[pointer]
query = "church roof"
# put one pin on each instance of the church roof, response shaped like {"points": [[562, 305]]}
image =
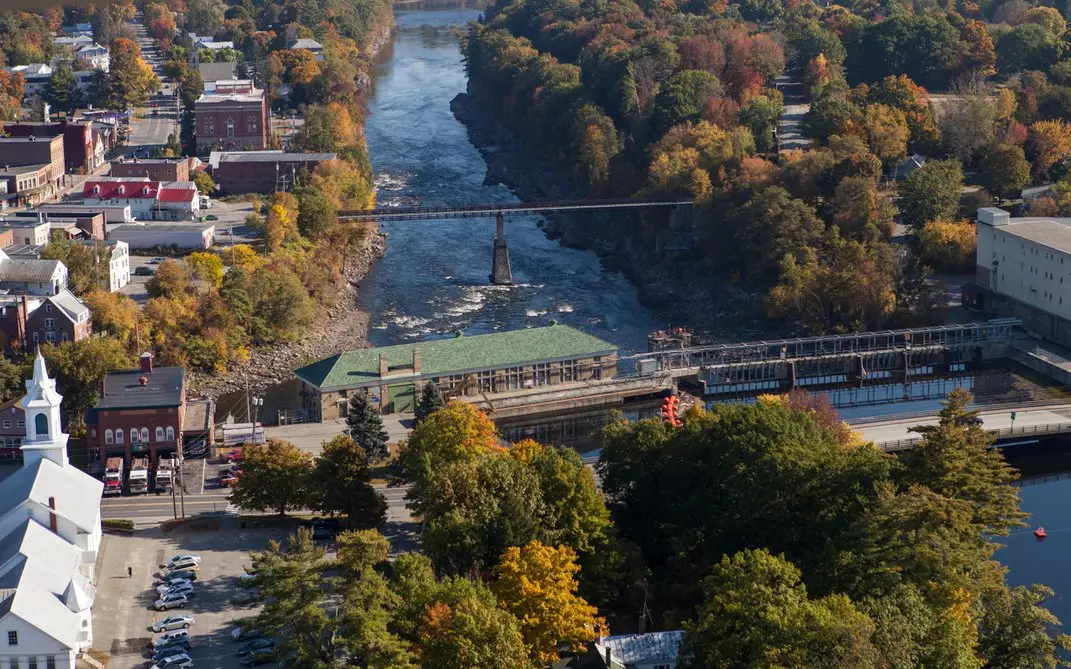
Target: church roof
{"points": [[77, 494], [23, 593], [36, 542]]}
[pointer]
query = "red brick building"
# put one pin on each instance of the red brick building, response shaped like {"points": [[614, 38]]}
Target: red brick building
{"points": [[232, 116], [263, 171], [79, 154], [157, 169], [31, 320], [12, 428], [140, 411]]}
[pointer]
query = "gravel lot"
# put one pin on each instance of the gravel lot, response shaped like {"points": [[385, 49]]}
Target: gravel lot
{"points": [[122, 611]]}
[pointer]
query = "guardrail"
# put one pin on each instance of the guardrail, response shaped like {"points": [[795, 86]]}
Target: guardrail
{"points": [[495, 208], [1002, 433], [983, 409], [1043, 478]]}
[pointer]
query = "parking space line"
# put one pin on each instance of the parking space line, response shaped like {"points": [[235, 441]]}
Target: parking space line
{"points": [[204, 466]]}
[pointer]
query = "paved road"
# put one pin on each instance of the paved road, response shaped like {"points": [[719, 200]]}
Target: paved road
{"points": [[992, 420], [796, 107]]}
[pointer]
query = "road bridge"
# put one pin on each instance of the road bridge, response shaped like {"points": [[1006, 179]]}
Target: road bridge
{"points": [[1031, 422], [501, 274]]}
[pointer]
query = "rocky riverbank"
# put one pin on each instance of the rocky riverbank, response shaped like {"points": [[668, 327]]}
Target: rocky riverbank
{"points": [[680, 290], [337, 329]]}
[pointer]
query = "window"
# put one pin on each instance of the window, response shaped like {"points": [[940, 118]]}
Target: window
{"points": [[596, 367], [7, 423], [119, 436], [50, 336], [14, 663], [486, 381], [570, 371], [159, 434], [20, 423], [133, 435], [48, 307], [230, 127], [33, 662], [40, 423], [170, 433], [514, 378], [145, 435], [251, 124], [50, 662], [12, 638], [36, 337], [210, 127], [542, 373]]}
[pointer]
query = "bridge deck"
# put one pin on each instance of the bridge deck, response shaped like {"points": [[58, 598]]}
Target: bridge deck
{"points": [[492, 209], [895, 434]]}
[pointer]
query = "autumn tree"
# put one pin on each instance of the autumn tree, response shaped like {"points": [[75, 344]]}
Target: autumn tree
{"points": [[204, 17], [129, 79], [684, 97], [537, 584], [206, 266], [83, 263], [887, 130], [1014, 628], [327, 128], [274, 476], [280, 225], [1005, 171], [172, 279], [340, 484], [930, 192], [860, 212], [206, 185], [1049, 142], [969, 126], [948, 245], [770, 226], [79, 367], [116, 315]]}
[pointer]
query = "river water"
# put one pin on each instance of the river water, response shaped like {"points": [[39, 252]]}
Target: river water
{"points": [[433, 282]]}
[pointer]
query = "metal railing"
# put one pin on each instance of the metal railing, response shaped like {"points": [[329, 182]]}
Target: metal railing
{"points": [[492, 209], [1001, 433], [1042, 478]]}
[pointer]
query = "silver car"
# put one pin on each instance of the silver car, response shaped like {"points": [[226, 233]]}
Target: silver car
{"points": [[175, 601], [181, 589], [172, 623], [174, 662], [176, 638]]}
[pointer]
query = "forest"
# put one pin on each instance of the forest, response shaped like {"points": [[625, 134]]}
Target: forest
{"points": [[681, 98]]}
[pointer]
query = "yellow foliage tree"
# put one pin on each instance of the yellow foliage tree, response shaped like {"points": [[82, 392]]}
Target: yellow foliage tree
{"points": [[118, 315], [537, 584], [886, 128], [948, 245], [1050, 142], [526, 449], [456, 433], [206, 266], [280, 227]]}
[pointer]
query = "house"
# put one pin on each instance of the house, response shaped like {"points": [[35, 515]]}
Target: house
{"points": [[263, 171], [117, 255], [157, 169], [146, 236], [95, 55], [27, 230], [309, 45], [49, 537], [231, 115], [653, 650], [27, 185], [35, 77], [148, 200], [497, 363], [76, 41], [224, 71], [905, 167], [79, 30], [12, 429], [32, 277], [140, 411], [58, 318]]}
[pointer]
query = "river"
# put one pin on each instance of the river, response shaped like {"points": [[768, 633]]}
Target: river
{"points": [[432, 281]]}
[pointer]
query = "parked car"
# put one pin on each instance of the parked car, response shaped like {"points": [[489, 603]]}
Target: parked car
{"points": [[182, 661], [176, 638], [144, 270], [188, 574], [259, 657], [233, 457], [172, 601], [240, 633], [156, 261], [168, 651], [180, 589], [227, 478], [168, 582], [254, 646], [172, 623], [182, 557]]}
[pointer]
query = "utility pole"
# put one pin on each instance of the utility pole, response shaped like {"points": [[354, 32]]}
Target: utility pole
{"points": [[257, 403]]}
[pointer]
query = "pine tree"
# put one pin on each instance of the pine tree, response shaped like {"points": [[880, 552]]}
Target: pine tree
{"points": [[431, 400], [61, 91], [366, 426]]}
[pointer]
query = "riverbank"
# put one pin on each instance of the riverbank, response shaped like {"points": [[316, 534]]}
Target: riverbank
{"points": [[679, 290]]}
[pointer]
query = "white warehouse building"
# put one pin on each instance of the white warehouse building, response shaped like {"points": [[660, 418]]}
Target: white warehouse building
{"points": [[1023, 270]]}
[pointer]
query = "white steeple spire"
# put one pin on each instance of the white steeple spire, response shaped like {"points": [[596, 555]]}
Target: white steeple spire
{"points": [[44, 438]]}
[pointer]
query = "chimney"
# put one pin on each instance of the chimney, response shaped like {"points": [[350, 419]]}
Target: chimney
{"points": [[418, 357], [146, 362], [51, 516], [383, 367], [143, 381]]}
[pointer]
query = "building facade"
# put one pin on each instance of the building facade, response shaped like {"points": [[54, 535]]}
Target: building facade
{"points": [[140, 412], [32, 320], [156, 169], [491, 364], [182, 236], [263, 171], [33, 150], [116, 254], [148, 200], [12, 429], [27, 185], [1023, 270], [79, 154], [19, 276], [233, 116]]}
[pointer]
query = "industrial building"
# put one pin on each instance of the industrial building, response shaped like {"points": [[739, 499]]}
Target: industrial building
{"points": [[181, 236], [482, 365], [263, 171]]}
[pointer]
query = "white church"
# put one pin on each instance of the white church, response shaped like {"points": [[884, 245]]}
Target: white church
{"points": [[49, 537]]}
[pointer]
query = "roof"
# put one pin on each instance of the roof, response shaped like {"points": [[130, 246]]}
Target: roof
{"points": [[305, 43], [131, 188], [215, 46], [36, 542], [25, 596], [177, 192], [21, 269], [31, 251], [215, 157], [1054, 233], [19, 170], [77, 493], [273, 157], [123, 389], [70, 305], [216, 71], [160, 227], [647, 648], [198, 416], [457, 355], [256, 95]]}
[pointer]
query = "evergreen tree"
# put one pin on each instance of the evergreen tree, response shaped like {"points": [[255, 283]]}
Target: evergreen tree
{"points": [[431, 400], [61, 91], [366, 426]]}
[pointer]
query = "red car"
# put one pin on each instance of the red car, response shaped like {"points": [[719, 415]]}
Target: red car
{"points": [[227, 478], [233, 457]]}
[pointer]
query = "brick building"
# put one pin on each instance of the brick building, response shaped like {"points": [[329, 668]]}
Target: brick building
{"points": [[12, 428], [31, 320], [79, 154], [157, 169], [233, 115], [27, 185], [140, 412], [263, 171]]}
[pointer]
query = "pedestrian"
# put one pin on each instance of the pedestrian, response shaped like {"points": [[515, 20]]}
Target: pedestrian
{"points": [[129, 571]]}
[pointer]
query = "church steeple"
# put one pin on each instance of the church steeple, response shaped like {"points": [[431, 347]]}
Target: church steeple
{"points": [[44, 437]]}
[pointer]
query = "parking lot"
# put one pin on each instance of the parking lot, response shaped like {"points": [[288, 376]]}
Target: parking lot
{"points": [[123, 611]]}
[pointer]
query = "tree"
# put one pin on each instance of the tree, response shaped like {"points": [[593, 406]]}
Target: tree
{"points": [[888, 132], [204, 17], [860, 212], [62, 89], [327, 128], [340, 484], [82, 261], [172, 279], [1049, 142], [969, 126], [536, 584], [1014, 630], [1005, 171], [365, 426], [931, 191], [79, 367], [12, 379], [458, 432], [116, 315], [948, 245], [760, 115], [471, 633], [274, 476], [129, 79], [206, 185], [206, 266], [684, 97], [316, 213], [756, 613], [770, 226], [1026, 47], [431, 400]]}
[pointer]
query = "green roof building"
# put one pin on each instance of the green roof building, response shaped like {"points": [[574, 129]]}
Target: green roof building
{"points": [[490, 364]]}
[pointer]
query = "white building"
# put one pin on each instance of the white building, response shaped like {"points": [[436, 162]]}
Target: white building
{"points": [[1023, 270], [25, 276], [653, 650], [118, 255], [148, 200], [49, 537]]}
